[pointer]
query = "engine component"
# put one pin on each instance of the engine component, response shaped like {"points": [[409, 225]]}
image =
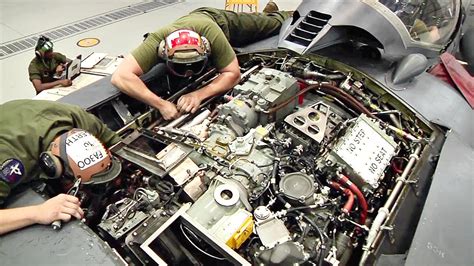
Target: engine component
{"points": [[239, 115], [221, 211], [310, 122], [184, 171], [299, 188], [289, 253], [272, 232], [124, 215], [263, 90], [253, 179], [178, 240], [261, 213], [170, 156], [365, 150], [219, 139]]}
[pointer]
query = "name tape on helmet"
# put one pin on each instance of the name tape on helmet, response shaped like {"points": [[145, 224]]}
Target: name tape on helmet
{"points": [[85, 149]]}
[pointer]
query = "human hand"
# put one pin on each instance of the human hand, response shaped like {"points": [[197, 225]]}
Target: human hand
{"points": [[65, 82], [189, 103], [59, 69], [62, 207], [168, 110]]}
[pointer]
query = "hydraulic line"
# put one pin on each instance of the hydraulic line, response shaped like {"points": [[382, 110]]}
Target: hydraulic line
{"points": [[360, 197], [329, 89], [339, 93], [350, 196], [385, 211]]}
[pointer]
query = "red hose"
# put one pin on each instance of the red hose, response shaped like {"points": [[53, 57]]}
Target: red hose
{"points": [[350, 196], [360, 197]]}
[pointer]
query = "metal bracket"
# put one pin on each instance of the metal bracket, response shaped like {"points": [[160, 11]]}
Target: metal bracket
{"points": [[413, 184], [122, 111], [364, 227], [390, 232]]}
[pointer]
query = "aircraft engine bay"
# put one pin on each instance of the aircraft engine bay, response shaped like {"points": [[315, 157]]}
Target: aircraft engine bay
{"points": [[304, 161]]}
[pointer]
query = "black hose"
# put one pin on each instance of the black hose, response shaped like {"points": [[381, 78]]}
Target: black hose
{"points": [[276, 164], [321, 236]]}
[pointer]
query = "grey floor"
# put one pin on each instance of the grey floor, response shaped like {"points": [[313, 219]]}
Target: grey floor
{"points": [[27, 18]]}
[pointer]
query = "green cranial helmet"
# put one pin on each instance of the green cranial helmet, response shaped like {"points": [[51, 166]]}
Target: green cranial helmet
{"points": [[43, 45]]}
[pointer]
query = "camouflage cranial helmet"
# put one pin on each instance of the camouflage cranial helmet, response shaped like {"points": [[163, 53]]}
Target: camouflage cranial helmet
{"points": [[185, 52], [77, 153]]}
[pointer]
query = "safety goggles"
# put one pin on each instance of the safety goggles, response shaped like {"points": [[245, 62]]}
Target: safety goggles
{"points": [[187, 69]]}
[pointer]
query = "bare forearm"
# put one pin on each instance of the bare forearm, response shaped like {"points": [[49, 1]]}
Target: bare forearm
{"points": [[46, 86], [13, 219], [133, 86], [221, 84]]}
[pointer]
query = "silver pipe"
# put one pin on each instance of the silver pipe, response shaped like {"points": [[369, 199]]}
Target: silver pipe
{"points": [[392, 117], [384, 212], [196, 120], [178, 120], [248, 72]]}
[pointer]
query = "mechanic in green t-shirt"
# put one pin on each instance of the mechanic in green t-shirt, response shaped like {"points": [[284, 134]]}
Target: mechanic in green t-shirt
{"points": [[186, 45], [47, 66], [34, 135]]}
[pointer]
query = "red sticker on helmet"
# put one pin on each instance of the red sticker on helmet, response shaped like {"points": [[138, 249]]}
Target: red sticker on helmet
{"points": [[183, 37]]}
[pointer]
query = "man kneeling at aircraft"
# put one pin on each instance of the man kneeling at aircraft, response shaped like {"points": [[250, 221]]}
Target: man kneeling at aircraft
{"points": [[44, 139]]}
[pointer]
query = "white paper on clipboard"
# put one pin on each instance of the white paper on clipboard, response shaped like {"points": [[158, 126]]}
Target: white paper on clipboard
{"points": [[92, 60]]}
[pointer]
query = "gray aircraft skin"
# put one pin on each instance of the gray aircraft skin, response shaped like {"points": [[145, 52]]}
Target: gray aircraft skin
{"points": [[431, 223]]}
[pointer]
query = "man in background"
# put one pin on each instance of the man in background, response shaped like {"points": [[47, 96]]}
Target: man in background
{"points": [[46, 68]]}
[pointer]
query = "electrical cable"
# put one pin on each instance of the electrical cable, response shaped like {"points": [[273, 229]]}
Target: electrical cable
{"points": [[194, 245]]}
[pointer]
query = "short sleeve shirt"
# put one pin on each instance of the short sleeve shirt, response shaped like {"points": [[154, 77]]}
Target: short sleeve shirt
{"points": [[44, 70], [27, 127], [223, 29]]}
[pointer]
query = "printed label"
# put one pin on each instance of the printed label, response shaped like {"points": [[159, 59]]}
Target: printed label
{"points": [[84, 149]]}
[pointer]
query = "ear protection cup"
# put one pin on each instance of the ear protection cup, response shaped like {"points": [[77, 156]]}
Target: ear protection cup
{"points": [[50, 164], [43, 43], [161, 50], [207, 45]]}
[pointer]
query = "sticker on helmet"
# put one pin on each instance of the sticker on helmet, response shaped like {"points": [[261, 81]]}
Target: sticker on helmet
{"points": [[85, 149], [183, 37], [12, 170]]}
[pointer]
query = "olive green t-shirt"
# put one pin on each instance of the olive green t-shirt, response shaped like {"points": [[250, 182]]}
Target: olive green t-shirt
{"points": [[27, 127], [222, 28], [43, 69]]}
